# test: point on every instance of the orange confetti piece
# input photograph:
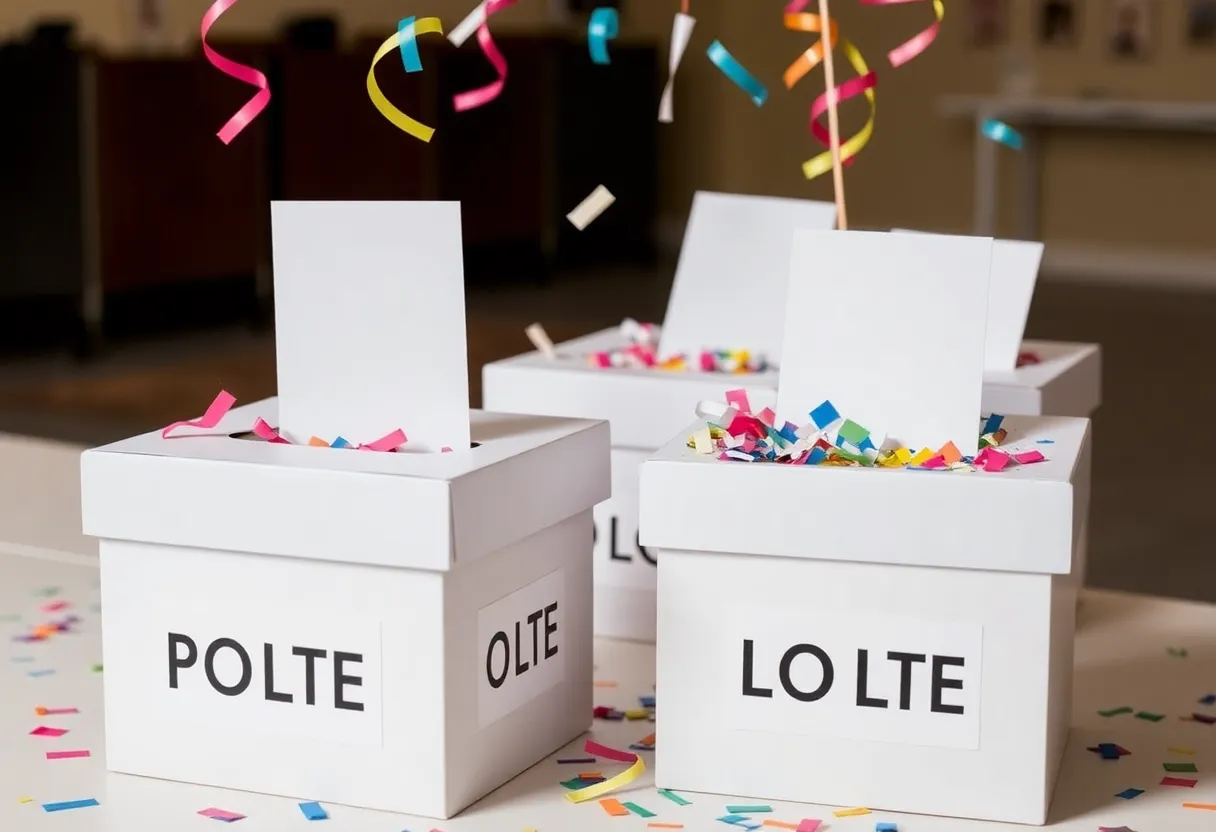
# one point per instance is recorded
(780, 824)
(317, 442)
(665, 825)
(590, 775)
(950, 453)
(614, 807)
(1211, 807)
(647, 740)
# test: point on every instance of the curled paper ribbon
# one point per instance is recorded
(415, 128)
(735, 71)
(681, 32)
(481, 96)
(612, 783)
(216, 412)
(407, 40)
(1002, 133)
(604, 25)
(799, 21)
(908, 50)
(240, 120)
(864, 83)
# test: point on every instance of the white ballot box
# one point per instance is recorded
(736, 247)
(895, 638)
(403, 629)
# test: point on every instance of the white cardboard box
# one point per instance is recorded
(973, 567)
(866, 636)
(646, 408)
(403, 631)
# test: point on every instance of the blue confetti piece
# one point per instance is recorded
(69, 804)
(1108, 750)
(866, 445)
(1210, 699)
(824, 415)
(817, 456)
(733, 818)
(885, 826)
(1045, 441)
(993, 424)
(604, 25)
(340, 443)
(646, 701)
(44, 672)
(408, 42)
(314, 811)
(1130, 794)
(1001, 133)
(734, 70)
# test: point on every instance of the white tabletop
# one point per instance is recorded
(1121, 659)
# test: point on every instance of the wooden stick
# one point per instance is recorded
(829, 74)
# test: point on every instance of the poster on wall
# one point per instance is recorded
(1131, 28)
(1201, 23)
(1059, 23)
(987, 22)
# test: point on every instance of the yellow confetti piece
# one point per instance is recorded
(922, 456)
(612, 783)
(903, 455)
(850, 813)
(1177, 750)
(25, 800)
(399, 119)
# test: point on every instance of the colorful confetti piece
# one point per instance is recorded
(1116, 711)
(1130, 794)
(638, 810)
(221, 814)
(386, 108)
(314, 811)
(241, 119)
(674, 798)
(1184, 782)
(737, 73)
(484, 95)
(1001, 133)
(603, 25)
(748, 809)
(587, 211)
(1180, 767)
(66, 755)
(70, 804)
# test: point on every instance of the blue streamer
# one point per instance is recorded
(734, 70)
(604, 25)
(409, 45)
(1002, 133)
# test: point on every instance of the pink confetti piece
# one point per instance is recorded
(241, 119)
(387, 443)
(995, 461)
(66, 755)
(41, 711)
(934, 462)
(221, 814)
(1028, 457)
(264, 431)
(217, 411)
(55, 606)
(809, 825)
(738, 400)
(46, 731)
(1184, 782)
(481, 96)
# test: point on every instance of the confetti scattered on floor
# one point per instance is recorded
(314, 811)
(43, 711)
(1182, 782)
(1150, 717)
(1180, 768)
(1211, 807)
(47, 731)
(67, 755)
(674, 798)
(850, 813)
(70, 804)
(221, 814)
(1109, 750)
(1180, 750)
(1130, 794)
(748, 809)
(1116, 711)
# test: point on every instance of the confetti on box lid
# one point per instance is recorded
(733, 432)
(642, 354)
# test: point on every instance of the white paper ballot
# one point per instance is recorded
(731, 280)
(370, 322)
(890, 328)
(1015, 271)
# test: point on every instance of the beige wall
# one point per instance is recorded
(1152, 190)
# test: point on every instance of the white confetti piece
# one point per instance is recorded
(591, 207)
(540, 339)
(681, 33)
(465, 28)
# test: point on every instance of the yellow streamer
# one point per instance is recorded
(822, 163)
(417, 129)
(611, 784)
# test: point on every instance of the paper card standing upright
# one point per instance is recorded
(890, 328)
(370, 322)
(733, 270)
(1015, 271)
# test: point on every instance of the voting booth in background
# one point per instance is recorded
(894, 638)
(402, 629)
(732, 275)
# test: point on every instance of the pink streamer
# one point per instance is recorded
(384, 444)
(240, 72)
(481, 96)
(217, 411)
(264, 431)
(849, 89)
(908, 50)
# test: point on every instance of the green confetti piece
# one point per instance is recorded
(1117, 711)
(674, 798)
(1191, 767)
(1177, 652)
(96, 668)
(1151, 717)
(748, 809)
(46, 592)
(638, 810)
(853, 433)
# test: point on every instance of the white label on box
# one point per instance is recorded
(858, 677)
(519, 640)
(295, 675)
(620, 558)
